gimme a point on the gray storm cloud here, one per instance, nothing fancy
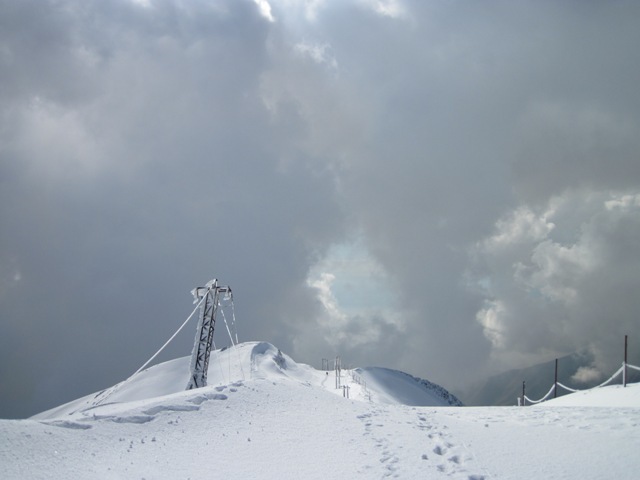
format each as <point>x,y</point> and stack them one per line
<point>482,158</point>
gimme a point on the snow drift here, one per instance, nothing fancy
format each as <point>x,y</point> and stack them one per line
<point>261,360</point>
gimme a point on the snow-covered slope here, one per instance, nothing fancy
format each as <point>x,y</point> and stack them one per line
<point>265,416</point>
<point>253,360</point>
<point>611,396</point>
<point>395,387</point>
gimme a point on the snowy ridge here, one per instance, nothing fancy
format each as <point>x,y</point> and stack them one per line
<point>262,360</point>
<point>396,387</point>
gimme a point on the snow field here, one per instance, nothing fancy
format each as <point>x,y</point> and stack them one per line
<point>265,416</point>
<point>263,428</point>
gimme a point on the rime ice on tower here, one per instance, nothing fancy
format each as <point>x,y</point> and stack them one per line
<point>209,297</point>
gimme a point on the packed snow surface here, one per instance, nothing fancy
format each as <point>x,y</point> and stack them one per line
<point>265,416</point>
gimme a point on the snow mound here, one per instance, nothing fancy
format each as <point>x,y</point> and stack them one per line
<point>262,360</point>
<point>268,361</point>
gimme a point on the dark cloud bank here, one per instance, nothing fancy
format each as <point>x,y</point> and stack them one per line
<point>484,155</point>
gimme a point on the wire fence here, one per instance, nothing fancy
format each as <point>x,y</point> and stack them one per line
<point>363,384</point>
<point>623,370</point>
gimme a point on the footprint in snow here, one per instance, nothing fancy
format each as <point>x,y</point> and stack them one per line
<point>439,450</point>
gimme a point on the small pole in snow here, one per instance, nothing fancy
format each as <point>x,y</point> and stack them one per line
<point>624,370</point>
<point>523,402</point>
<point>555,382</point>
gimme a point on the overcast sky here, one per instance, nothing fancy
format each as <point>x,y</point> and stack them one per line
<point>449,188</point>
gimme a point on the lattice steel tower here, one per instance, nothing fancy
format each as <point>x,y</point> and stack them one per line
<point>209,296</point>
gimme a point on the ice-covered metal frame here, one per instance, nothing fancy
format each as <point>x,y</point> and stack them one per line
<point>209,299</point>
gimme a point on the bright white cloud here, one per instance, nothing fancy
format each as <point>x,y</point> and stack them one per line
<point>491,317</point>
<point>554,268</point>
<point>522,226</point>
<point>624,203</point>
<point>265,9</point>
<point>558,288</point>
<point>586,375</point>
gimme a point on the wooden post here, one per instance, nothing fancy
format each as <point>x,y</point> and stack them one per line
<point>624,366</point>
<point>555,381</point>
<point>523,401</point>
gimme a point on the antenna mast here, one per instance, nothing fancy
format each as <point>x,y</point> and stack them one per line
<point>209,296</point>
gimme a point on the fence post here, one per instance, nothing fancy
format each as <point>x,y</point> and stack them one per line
<point>523,400</point>
<point>555,381</point>
<point>325,364</point>
<point>624,366</point>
